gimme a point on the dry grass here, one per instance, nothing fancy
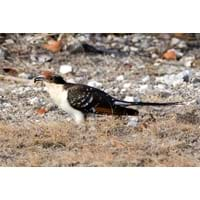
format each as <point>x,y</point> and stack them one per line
<point>163,142</point>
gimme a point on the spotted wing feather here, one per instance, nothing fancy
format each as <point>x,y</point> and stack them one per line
<point>89,99</point>
<point>92,100</point>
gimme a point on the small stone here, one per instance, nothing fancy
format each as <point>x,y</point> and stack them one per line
<point>71,80</point>
<point>196,80</point>
<point>160,87</point>
<point>64,69</point>
<point>174,41</point>
<point>170,54</point>
<point>134,49</point>
<point>198,101</point>
<point>182,45</point>
<point>34,100</point>
<point>145,79</point>
<point>126,48</point>
<point>143,88</point>
<point>9,41</point>
<point>133,121</point>
<point>154,55</point>
<point>187,61</point>
<point>2,54</point>
<point>44,58</point>
<point>120,78</point>
<point>94,83</point>
<point>123,90</point>
<point>25,75</point>
<point>175,79</point>
<point>135,39</point>
<point>127,85</point>
<point>141,66</point>
<point>187,75</point>
<point>6,105</point>
<point>75,47</point>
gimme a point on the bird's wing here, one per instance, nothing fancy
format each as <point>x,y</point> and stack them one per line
<point>90,100</point>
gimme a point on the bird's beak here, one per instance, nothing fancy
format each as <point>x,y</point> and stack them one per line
<point>39,78</point>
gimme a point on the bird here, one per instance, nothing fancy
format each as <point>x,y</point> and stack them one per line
<point>79,100</point>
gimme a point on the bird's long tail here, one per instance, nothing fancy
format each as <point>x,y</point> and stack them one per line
<point>140,103</point>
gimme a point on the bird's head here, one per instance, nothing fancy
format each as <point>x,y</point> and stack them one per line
<point>49,77</point>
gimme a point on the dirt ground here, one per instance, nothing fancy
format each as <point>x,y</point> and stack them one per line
<point>34,132</point>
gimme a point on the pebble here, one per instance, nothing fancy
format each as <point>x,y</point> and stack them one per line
<point>71,80</point>
<point>174,41</point>
<point>182,45</point>
<point>6,105</point>
<point>129,98</point>
<point>94,83</point>
<point>141,66</point>
<point>120,78</point>
<point>2,54</point>
<point>175,79</point>
<point>134,49</point>
<point>143,88</point>
<point>9,41</point>
<point>133,121</point>
<point>146,79</point>
<point>187,61</point>
<point>64,69</point>
<point>154,55</point>
<point>127,85</point>
<point>25,75</point>
<point>44,58</point>
<point>160,87</point>
<point>34,100</point>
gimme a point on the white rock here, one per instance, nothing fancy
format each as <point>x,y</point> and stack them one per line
<point>179,54</point>
<point>120,78</point>
<point>154,55</point>
<point>82,38</point>
<point>141,66</point>
<point>160,87</point>
<point>71,80</point>
<point>2,90</point>
<point>24,75</point>
<point>187,61</point>
<point>143,88</point>
<point>116,90</point>
<point>2,54</point>
<point>134,49</point>
<point>186,75</point>
<point>44,58</point>
<point>126,85</point>
<point>123,90</point>
<point>126,48</point>
<point>9,41</point>
<point>133,121</point>
<point>175,79</point>
<point>34,100</point>
<point>94,83</point>
<point>129,98</point>
<point>145,79</point>
<point>182,44</point>
<point>6,105</point>
<point>64,69</point>
<point>174,41</point>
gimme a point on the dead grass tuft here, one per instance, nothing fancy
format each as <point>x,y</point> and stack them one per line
<point>162,142</point>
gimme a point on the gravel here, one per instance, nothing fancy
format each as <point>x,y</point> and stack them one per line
<point>141,73</point>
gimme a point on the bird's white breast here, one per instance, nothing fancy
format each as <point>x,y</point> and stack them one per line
<point>59,96</point>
